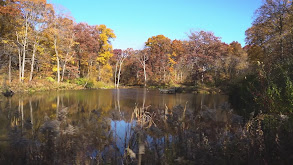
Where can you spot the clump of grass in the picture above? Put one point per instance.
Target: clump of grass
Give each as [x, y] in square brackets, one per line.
[102, 85]
[50, 79]
[143, 117]
[92, 83]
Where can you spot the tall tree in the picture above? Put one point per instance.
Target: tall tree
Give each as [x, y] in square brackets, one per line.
[160, 49]
[121, 55]
[143, 56]
[105, 48]
[179, 55]
[116, 54]
[8, 13]
[61, 34]
[270, 28]
[204, 49]
[40, 11]
[236, 59]
[31, 10]
[87, 48]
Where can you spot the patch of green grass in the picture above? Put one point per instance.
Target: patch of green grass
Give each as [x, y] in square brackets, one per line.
[102, 85]
[50, 79]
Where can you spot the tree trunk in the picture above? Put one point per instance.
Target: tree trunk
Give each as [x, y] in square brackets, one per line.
[19, 65]
[89, 70]
[79, 68]
[119, 73]
[58, 69]
[33, 61]
[115, 74]
[137, 75]
[23, 64]
[145, 76]
[202, 74]
[24, 49]
[99, 76]
[144, 97]
[58, 61]
[63, 70]
[9, 70]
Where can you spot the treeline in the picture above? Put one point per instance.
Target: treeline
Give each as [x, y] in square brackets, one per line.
[42, 41]
[203, 58]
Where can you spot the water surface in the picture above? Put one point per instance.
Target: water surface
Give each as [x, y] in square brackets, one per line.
[126, 126]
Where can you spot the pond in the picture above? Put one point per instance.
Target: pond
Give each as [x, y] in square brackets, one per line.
[123, 126]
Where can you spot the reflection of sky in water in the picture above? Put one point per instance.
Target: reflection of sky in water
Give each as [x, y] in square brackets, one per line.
[121, 131]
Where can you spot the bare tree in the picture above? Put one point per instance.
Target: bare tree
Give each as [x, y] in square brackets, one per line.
[8, 48]
[143, 57]
[61, 30]
[29, 19]
[120, 59]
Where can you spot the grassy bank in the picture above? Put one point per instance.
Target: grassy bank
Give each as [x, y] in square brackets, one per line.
[50, 84]
[40, 85]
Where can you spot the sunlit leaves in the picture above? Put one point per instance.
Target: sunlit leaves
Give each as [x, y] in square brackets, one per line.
[105, 51]
[160, 47]
[106, 73]
[272, 29]
[103, 57]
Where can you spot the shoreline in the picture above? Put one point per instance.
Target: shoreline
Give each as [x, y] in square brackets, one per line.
[33, 87]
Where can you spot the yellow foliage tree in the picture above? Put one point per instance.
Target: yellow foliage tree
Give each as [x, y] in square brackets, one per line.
[106, 73]
[105, 51]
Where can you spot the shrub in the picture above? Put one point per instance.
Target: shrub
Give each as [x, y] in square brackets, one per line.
[89, 84]
[100, 84]
[81, 81]
[267, 90]
[86, 83]
[50, 79]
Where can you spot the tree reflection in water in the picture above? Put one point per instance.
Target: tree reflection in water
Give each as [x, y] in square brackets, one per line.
[141, 127]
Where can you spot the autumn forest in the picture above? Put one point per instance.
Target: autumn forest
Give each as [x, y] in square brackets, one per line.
[231, 102]
[39, 41]
[42, 48]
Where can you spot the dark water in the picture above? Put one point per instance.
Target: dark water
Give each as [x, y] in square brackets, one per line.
[126, 126]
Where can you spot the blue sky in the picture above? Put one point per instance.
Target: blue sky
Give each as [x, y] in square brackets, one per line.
[134, 21]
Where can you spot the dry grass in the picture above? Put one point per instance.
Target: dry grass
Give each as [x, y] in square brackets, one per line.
[39, 85]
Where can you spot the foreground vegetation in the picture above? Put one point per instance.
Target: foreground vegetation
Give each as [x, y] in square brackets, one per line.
[179, 135]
